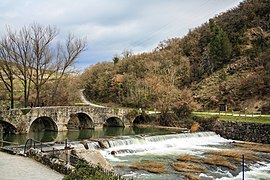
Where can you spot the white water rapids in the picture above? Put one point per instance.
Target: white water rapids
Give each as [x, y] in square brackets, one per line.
[166, 148]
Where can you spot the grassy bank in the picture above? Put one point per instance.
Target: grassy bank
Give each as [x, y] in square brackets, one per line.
[263, 119]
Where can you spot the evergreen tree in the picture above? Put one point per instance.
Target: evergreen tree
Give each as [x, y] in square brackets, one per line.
[220, 47]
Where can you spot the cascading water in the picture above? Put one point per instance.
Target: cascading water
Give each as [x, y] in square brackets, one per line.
[129, 146]
[128, 150]
[167, 143]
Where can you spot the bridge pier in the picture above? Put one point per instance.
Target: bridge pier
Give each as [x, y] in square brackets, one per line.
[62, 127]
[22, 119]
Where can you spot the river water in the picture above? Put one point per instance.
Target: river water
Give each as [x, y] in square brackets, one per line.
[139, 145]
[165, 148]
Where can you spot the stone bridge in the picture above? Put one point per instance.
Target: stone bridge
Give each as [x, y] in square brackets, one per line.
[62, 118]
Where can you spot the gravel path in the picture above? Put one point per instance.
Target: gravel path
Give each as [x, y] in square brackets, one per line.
[17, 167]
[84, 100]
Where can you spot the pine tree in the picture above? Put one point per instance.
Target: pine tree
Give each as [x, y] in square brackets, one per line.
[220, 47]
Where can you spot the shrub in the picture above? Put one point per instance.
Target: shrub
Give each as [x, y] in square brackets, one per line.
[182, 110]
[85, 172]
[25, 110]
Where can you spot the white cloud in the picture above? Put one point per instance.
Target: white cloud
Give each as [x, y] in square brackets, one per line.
[113, 25]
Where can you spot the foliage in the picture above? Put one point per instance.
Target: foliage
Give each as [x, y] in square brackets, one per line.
[182, 110]
[256, 119]
[25, 110]
[85, 172]
[51, 156]
[132, 114]
[33, 57]
[219, 47]
[223, 61]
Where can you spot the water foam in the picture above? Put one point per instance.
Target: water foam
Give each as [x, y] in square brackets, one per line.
[163, 144]
[257, 171]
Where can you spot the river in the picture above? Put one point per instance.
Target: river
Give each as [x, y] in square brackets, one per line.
[137, 146]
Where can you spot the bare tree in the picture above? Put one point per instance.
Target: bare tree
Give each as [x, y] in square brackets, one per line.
[34, 56]
[20, 51]
[50, 58]
[44, 64]
[66, 57]
[6, 70]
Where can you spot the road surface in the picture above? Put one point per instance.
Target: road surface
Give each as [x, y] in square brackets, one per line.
[13, 167]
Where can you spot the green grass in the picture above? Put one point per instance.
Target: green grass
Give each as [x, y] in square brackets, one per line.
[263, 119]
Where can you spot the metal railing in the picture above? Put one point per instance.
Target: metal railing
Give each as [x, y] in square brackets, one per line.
[14, 147]
[67, 157]
[233, 113]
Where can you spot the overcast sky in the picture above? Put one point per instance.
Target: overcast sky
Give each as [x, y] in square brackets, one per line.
[112, 26]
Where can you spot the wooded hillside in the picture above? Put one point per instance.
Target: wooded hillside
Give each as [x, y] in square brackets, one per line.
[223, 61]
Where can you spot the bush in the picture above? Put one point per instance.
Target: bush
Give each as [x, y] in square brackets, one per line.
[85, 172]
[182, 110]
[25, 110]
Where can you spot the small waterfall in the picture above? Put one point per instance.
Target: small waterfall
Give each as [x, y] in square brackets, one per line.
[162, 143]
[139, 140]
[93, 145]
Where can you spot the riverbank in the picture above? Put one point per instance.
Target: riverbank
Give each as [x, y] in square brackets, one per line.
[243, 131]
[251, 129]
[160, 127]
[18, 167]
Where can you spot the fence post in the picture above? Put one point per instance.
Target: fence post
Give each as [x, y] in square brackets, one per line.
[243, 166]
[1, 135]
[41, 146]
[66, 157]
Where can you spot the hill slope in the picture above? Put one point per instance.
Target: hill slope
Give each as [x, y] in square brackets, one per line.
[225, 60]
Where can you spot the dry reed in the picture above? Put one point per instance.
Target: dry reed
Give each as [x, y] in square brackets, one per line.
[254, 147]
[190, 176]
[187, 167]
[187, 157]
[235, 154]
[218, 161]
[154, 167]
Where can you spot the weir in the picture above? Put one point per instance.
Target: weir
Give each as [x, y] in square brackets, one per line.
[138, 151]
[141, 143]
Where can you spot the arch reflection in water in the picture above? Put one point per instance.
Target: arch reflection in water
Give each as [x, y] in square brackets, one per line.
[16, 138]
[43, 124]
[113, 131]
[73, 135]
[43, 129]
[43, 136]
[7, 127]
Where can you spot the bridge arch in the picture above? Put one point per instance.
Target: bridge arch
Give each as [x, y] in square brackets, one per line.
[8, 127]
[141, 119]
[114, 122]
[43, 123]
[80, 121]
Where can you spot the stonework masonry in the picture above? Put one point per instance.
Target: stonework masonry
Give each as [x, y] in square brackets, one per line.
[60, 115]
[243, 131]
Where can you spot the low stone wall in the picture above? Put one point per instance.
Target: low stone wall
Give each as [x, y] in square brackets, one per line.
[54, 163]
[243, 131]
